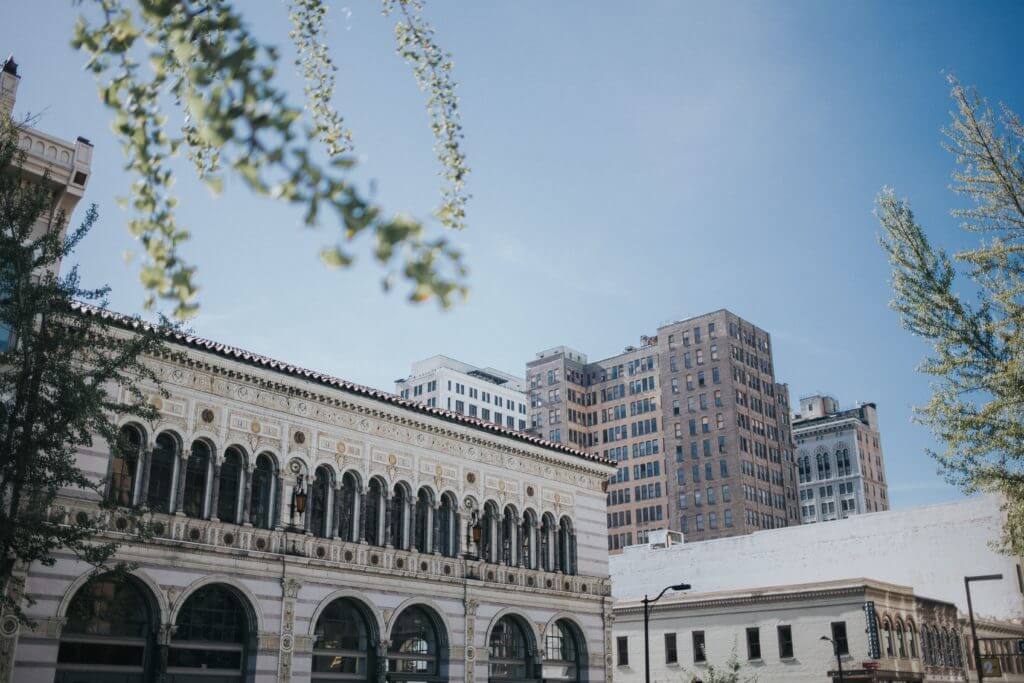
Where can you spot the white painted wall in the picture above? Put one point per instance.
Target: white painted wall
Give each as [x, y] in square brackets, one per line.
[929, 548]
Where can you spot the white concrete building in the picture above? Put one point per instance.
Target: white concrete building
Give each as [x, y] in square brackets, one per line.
[487, 394]
[310, 529]
[840, 465]
[775, 634]
[929, 550]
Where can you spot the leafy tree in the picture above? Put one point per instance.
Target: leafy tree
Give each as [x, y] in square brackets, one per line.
[970, 307]
[199, 60]
[730, 672]
[65, 378]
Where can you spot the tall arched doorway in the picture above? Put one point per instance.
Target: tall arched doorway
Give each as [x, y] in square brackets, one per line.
[211, 640]
[345, 648]
[418, 647]
[512, 652]
[109, 635]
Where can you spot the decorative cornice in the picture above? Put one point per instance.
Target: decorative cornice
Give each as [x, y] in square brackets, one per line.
[232, 353]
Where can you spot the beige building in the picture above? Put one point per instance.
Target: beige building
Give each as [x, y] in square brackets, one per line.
[695, 420]
[840, 464]
[308, 528]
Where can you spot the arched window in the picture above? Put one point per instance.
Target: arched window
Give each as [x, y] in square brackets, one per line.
[264, 480]
[824, 466]
[511, 652]
[887, 632]
[447, 526]
[399, 517]
[124, 465]
[901, 646]
[912, 638]
[210, 638]
[804, 467]
[347, 507]
[109, 634]
[345, 645]
[843, 465]
[320, 497]
[566, 547]
[526, 538]
[563, 649]
[422, 532]
[547, 532]
[374, 502]
[193, 500]
[228, 486]
[489, 539]
[416, 649]
[509, 527]
[161, 473]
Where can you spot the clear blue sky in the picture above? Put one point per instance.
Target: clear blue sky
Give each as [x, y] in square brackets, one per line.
[632, 163]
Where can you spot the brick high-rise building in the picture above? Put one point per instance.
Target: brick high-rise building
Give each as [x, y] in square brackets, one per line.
[695, 420]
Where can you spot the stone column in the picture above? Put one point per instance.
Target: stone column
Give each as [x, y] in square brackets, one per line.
[360, 532]
[386, 518]
[246, 485]
[276, 511]
[523, 559]
[516, 544]
[337, 517]
[215, 493]
[434, 524]
[408, 523]
[179, 489]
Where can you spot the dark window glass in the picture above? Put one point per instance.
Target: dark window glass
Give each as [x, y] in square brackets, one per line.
[349, 490]
[195, 479]
[561, 653]
[413, 652]
[342, 646]
[622, 650]
[107, 636]
[320, 493]
[785, 642]
[125, 465]
[839, 637]
[671, 654]
[262, 491]
[161, 473]
[371, 524]
[753, 643]
[699, 655]
[210, 634]
[227, 489]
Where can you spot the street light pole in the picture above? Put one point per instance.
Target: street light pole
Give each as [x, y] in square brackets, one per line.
[839, 658]
[970, 612]
[647, 613]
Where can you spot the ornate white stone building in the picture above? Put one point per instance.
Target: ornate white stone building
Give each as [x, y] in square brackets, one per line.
[308, 528]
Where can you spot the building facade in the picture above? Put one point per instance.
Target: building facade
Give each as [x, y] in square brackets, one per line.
[484, 393]
[882, 632]
[65, 166]
[840, 465]
[306, 528]
[693, 416]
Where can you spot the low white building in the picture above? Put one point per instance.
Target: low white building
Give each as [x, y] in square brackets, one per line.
[487, 394]
[930, 548]
[775, 634]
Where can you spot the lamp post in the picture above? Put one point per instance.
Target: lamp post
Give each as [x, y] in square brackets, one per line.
[839, 658]
[970, 612]
[647, 613]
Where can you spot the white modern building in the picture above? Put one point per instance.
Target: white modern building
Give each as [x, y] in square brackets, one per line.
[840, 464]
[883, 632]
[486, 394]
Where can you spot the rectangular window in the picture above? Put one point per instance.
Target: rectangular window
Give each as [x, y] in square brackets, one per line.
[785, 642]
[839, 637]
[622, 649]
[753, 643]
[671, 655]
[698, 647]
